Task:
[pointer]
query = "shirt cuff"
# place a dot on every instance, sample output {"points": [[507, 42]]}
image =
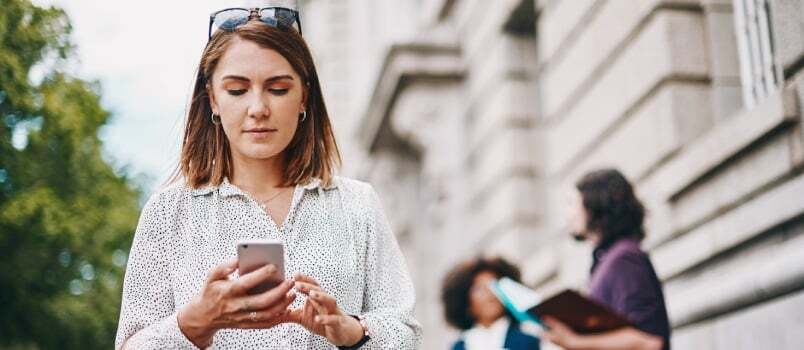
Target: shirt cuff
{"points": [[373, 327]]}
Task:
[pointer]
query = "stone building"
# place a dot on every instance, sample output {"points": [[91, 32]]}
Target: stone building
{"points": [[474, 118]]}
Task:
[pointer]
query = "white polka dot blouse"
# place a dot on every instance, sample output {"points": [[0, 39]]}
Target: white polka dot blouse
{"points": [[339, 235]]}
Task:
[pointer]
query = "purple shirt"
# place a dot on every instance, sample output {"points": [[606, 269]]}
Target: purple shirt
{"points": [[624, 280]]}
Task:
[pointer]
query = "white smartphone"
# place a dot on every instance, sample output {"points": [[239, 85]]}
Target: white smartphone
{"points": [[253, 254]]}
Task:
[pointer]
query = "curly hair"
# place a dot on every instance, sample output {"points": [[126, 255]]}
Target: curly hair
{"points": [[458, 282], [612, 208]]}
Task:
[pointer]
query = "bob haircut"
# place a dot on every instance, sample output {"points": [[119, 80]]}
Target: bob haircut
{"points": [[206, 157]]}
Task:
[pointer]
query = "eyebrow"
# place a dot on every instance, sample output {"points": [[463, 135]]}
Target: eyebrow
{"points": [[269, 80]]}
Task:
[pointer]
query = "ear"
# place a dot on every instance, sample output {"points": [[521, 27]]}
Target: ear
{"points": [[305, 94], [212, 103]]}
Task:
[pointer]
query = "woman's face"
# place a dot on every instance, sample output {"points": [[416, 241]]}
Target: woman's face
{"points": [[576, 216], [258, 96], [483, 304]]}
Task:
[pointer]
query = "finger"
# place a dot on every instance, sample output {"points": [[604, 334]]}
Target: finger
{"points": [[298, 276], [305, 287], [549, 336], [326, 300], [259, 325], [221, 271], [270, 297], [266, 299], [309, 310], [294, 315], [319, 309], [264, 324], [549, 321], [554, 324], [276, 310], [281, 307], [328, 320], [250, 280]]}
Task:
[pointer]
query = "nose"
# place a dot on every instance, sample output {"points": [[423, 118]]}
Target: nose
{"points": [[258, 108]]}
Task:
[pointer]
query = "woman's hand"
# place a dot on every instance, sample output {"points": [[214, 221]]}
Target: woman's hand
{"points": [[623, 339], [225, 303], [321, 314], [559, 333]]}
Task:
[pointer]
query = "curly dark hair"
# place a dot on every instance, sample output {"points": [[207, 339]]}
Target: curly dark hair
{"points": [[458, 282], [612, 208]]}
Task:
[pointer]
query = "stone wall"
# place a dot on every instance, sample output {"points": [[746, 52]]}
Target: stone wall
{"points": [[473, 122]]}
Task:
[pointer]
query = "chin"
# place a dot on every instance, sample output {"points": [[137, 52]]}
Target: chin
{"points": [[261, 152]]}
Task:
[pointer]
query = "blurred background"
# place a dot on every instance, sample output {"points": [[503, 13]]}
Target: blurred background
{"points": [[472, 119]]}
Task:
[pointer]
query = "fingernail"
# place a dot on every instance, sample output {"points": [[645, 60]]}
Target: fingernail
{"points": [[318, 318], [290, 294]]}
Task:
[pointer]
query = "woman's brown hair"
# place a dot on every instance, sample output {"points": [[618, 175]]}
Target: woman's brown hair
{"points": [[612, 208], [312, 153]]}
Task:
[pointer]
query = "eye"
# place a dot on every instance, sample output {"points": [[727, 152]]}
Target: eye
{"points": [[278, 92], [236, 92]]}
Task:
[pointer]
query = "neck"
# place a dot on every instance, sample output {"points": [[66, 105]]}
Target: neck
{"points": [[486, 323], [257, 175]]}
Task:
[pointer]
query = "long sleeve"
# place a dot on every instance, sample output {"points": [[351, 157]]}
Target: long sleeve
{"points": [[390, 297], [147, 314]]}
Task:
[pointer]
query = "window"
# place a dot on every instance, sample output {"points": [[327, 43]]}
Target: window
{"points": [[759, 73]]}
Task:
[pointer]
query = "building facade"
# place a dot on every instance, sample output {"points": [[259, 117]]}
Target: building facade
{"points": [[473, 119]]}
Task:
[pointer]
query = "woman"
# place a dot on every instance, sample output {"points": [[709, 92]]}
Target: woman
{"points": [[605, 211], [258, 161], [471, 306]]}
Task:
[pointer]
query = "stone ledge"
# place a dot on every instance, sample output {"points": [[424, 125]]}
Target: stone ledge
{"points": [[609, 34], [769, 325], [760, 272], [761, 214], [709, 152], [510, 203], [671, 117], [404, 62], [653, 59], [559, 23]]}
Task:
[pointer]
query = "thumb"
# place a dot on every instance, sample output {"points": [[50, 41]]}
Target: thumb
{"points": [[551, 322], [222, 270], [294, 315]]}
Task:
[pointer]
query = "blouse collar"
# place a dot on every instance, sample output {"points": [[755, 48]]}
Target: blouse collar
{"points": [[226, 188]]}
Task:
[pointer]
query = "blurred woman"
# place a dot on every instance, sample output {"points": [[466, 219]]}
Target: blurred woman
{"points": [[605, 211], [472, 307]]}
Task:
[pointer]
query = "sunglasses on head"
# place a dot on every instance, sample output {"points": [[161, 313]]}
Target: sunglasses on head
{"points": [[231, 18]]}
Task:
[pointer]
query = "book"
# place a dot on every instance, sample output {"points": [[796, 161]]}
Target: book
{"points": [[583, 315]]}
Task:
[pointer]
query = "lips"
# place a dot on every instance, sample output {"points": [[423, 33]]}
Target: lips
{"points": [[259, 130]]}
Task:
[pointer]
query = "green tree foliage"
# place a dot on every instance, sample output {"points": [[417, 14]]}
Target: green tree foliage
{"points": [[66, 216]]}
